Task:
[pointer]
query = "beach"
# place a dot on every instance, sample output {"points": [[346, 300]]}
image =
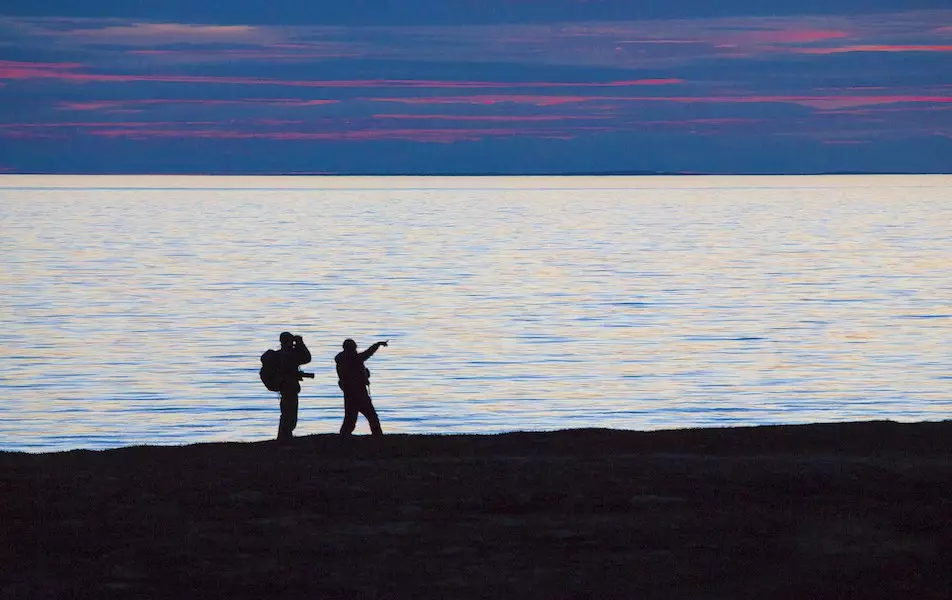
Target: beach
{"points": [[849, 510]]}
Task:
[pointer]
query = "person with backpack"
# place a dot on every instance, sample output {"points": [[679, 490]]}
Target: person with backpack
{"points": [[280, 373], [353, 378]]}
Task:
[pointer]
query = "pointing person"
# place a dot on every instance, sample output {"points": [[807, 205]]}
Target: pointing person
{"points": [[353, 378]]}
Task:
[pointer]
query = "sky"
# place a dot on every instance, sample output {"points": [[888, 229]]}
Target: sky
{"points": [[475, 86]]}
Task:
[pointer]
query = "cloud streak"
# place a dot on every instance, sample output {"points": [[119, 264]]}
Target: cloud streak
{"points": [[824, 102], [835, 79], [123, 105], [629, 44], [876, 48], [69, 72], [438, 135]]}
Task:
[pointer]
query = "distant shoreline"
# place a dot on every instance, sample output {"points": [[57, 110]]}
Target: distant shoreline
{"points": [[477, 174]]}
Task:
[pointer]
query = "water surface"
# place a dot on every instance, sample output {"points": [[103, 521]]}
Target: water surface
{"points": [[134, 309]]}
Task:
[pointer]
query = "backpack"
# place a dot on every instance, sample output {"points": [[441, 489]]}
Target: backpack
{"points": [[351, 371], [270, 371]]}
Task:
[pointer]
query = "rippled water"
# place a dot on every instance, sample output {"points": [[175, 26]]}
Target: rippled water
{"points": [[134, 310]]}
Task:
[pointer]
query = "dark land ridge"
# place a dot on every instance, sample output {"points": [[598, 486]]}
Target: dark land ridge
{"points": [[850, 510]]}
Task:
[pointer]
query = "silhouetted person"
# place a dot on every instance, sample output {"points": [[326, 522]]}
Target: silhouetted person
{"points": [[353, 379], [293, 354]]}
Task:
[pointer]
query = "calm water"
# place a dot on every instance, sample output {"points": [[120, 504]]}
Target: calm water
{"points": [[134, 310]]}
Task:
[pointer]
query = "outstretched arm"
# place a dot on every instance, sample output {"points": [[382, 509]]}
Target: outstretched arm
{"points": [[370, 351]]}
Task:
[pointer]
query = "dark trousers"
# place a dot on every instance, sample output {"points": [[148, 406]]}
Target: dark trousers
{"points": [[289, 412], [358, 401]]}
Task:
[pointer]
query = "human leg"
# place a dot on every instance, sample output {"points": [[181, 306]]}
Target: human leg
{"points": [[289, 410], [370, 413], [350, 417]]}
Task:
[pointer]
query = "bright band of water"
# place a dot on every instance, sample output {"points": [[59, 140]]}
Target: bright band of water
{"points": [[134, 309]]}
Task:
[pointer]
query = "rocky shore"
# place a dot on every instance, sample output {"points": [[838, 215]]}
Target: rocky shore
{"points": [[855, 510]]}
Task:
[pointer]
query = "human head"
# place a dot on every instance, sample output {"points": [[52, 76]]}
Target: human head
{"points": [[350, 345], [286, 338]]}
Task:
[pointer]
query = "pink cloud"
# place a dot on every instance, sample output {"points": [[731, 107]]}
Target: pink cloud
{"points": [[66, 72], [562, 118], [93, 124], [29, 134], [10, 69], [150, 34], [835, 102], [631, 43], [550, 127], [818, 102], [493, 99], [668, 81], [90, 105], [670, 41], [785, 36], [553, 127], [250, 54], [120, 105], [15, 64], [887, 109], [440, 135], [874, 48], [492, 118], [278, 122], [710, 121], [660, 42], [419, 135]]}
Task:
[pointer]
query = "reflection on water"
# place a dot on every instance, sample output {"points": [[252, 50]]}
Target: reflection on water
{"points": [[134, 309]]}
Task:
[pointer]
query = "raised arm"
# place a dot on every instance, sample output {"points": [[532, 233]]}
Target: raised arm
{"points": [[370, 351], [303, 354]]}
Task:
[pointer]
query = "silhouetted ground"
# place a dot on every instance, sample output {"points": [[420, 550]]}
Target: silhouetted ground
{"points": [[860, 510]]}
